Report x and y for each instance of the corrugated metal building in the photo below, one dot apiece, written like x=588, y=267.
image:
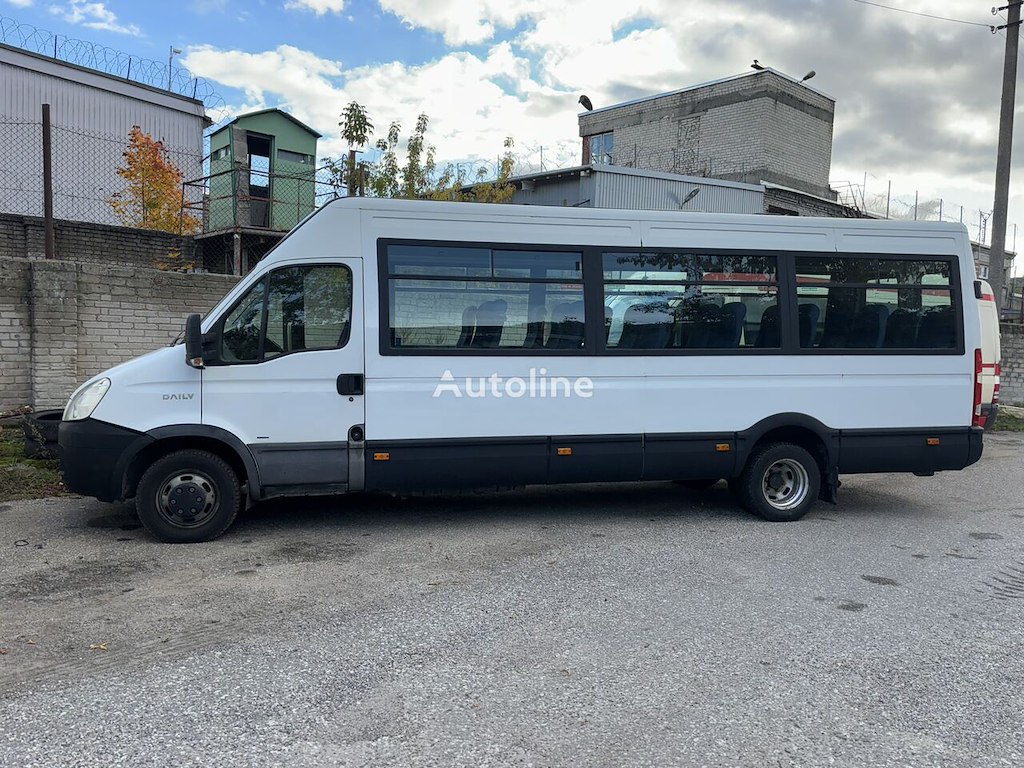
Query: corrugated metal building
x=92, y=113
x=609, y=186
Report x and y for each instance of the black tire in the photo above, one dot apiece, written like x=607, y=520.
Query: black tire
x=697, y=483
x=780, y=482
x=188, y=496
x=40, y=429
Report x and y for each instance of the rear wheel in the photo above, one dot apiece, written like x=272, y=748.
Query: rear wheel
x=188, y=496
x=779, y=483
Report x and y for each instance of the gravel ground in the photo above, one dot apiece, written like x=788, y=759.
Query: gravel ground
x=621, y=625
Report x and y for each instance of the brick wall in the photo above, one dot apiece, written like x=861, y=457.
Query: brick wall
x=15, y=334
x=1011, y=342
x=63, y=321
x=802, y=205
x=761, y=126
x=23, y=237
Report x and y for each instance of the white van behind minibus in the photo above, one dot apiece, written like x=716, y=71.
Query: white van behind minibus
x=395, y=346
x=991, y=355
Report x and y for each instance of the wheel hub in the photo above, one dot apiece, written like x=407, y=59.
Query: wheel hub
x=785, y=484
x=187, y=499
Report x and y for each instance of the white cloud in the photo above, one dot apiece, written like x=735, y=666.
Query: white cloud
x=462, y=21
x=20, y=3
x=93, y=16
x=319, y=7
x=473, y=102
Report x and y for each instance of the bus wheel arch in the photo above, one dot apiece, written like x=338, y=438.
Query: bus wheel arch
x=174, y=439
x=805, y=432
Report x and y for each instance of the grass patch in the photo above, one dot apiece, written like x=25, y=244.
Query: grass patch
x=1007, y=423
x=22, y=477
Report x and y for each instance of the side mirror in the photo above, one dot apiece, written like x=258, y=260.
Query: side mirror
x=194, y=341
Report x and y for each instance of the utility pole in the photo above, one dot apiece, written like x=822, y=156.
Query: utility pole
x=996, y=257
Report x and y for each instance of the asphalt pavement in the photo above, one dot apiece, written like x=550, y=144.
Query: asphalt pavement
x=619, y=625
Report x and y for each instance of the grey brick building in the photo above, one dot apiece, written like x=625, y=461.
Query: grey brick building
x=762, y=127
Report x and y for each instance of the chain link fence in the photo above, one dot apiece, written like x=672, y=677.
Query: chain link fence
x=84, y=167
x=254, y=199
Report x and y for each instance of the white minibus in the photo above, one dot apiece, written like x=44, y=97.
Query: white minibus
x=399, y=346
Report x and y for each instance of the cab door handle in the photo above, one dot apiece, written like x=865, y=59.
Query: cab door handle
x=350, y=384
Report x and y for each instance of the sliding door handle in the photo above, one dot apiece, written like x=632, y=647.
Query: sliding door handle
x=350, y=384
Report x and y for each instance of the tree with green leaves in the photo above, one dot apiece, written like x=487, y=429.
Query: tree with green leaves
x=356, y=129
x=418, y=176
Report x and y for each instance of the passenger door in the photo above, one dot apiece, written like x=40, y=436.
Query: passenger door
x=288, y=381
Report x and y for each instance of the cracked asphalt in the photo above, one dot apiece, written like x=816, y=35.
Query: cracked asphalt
x=620, y=625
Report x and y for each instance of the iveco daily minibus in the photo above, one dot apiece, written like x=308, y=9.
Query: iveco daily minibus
x=400, y=346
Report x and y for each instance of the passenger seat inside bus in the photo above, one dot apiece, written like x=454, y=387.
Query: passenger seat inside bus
x=728, y=327
x=807, y=316
x=869, y=323
x=901, y=329
x=646, y=325
x=535, y=328
x=938, y=329
x=468, y=327
x=769, y=335
x=567, y=326
x=490, y=322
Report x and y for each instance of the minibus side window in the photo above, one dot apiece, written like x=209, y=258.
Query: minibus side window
x=691, y=301
x=304, y=308
x=877, y=303
x=452, y=297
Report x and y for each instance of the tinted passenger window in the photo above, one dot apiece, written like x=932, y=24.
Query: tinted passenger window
x=304, y=308
x=465, y=298
x=876, y=303
x=690, y=301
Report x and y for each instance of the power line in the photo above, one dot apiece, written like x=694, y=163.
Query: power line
x=926, y=15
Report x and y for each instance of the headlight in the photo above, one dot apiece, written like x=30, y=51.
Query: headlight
x=82, y=405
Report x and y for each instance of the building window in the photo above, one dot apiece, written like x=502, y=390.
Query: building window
x=294, y=157
x=601, y=149
x=220, y=154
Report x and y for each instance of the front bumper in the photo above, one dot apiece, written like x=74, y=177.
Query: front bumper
x=94, y=456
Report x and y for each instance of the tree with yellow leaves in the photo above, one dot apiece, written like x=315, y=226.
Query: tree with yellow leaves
x=152, y=198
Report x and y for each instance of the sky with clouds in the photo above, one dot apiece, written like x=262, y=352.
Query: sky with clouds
x=917, y=98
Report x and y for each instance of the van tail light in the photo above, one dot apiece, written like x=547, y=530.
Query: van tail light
x=977, y=420
x=995, y=389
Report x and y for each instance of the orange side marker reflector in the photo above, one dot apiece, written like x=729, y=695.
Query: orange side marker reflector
x=382, y=457
x=934, y=441
x=565, y=451
x=723, y=447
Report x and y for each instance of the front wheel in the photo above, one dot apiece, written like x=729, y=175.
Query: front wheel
x=188, y=496
x=779, y=483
